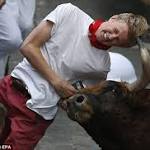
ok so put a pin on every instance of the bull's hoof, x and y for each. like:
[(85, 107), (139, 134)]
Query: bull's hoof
[(3, 113)]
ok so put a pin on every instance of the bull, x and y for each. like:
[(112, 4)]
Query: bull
[(116, 114)]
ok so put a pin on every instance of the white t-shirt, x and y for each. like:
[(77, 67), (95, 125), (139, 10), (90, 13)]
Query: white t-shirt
[(69, 53)]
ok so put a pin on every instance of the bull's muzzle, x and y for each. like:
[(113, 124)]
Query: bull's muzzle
[(76, 100)]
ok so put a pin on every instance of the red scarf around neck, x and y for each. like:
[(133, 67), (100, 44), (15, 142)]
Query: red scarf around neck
[(93, 40)]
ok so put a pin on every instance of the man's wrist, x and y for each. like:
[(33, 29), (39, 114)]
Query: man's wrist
[(55, 81)]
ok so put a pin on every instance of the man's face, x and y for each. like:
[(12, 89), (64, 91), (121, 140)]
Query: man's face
[(113, 33)]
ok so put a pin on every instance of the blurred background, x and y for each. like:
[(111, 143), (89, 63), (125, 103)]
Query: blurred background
[(65, 134), (100, 8)]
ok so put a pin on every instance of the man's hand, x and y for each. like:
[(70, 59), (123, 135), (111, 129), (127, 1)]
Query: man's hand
[(2, 3), (64, 88)]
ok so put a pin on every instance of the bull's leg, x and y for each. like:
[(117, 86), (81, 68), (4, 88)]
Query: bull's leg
[(3, 112)]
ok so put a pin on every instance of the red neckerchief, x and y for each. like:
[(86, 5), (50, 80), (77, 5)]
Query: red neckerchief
[(92, 29)]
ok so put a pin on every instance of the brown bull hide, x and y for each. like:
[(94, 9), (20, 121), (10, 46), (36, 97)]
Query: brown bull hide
[(114, 117)]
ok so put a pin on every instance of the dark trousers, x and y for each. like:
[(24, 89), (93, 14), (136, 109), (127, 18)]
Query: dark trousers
[(24, 128)]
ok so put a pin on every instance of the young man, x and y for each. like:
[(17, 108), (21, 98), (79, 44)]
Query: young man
[(66, 46)]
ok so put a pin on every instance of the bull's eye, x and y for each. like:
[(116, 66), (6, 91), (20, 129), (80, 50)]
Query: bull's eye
[(113, 91), (116, 92), (80, 99)]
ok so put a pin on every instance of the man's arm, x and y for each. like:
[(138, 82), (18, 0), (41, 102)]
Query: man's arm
[(31, 50)]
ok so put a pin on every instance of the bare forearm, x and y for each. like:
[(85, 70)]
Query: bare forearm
[(31, 50), (35, 57)]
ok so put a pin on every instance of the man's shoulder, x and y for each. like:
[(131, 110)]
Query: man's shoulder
[(66, 6), (70, 7)]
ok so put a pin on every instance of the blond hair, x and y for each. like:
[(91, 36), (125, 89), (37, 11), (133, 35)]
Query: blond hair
[(137, 24)]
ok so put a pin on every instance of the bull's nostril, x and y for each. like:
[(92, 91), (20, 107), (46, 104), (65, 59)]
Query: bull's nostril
[(80, 99)]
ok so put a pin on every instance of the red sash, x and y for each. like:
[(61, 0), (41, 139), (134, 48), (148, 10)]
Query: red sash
[(92, 29)]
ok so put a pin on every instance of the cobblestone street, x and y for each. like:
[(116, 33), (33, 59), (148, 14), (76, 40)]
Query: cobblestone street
[(66, 135)]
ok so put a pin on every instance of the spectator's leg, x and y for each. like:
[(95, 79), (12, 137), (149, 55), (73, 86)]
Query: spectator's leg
[(3, 63), (10, 35), (27, 10)]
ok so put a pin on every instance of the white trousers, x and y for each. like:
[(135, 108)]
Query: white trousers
[(16, 20), (121, 69)]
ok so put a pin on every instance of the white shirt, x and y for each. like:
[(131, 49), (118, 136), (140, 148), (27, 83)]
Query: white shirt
[(69, 53)]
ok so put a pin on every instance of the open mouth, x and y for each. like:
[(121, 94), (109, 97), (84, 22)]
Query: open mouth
[(106, 36)]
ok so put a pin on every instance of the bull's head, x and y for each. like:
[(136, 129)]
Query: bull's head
[(106, 111), (108, 94), (96, 101)]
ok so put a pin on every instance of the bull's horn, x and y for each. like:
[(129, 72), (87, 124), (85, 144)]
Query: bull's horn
[(144, 78)]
